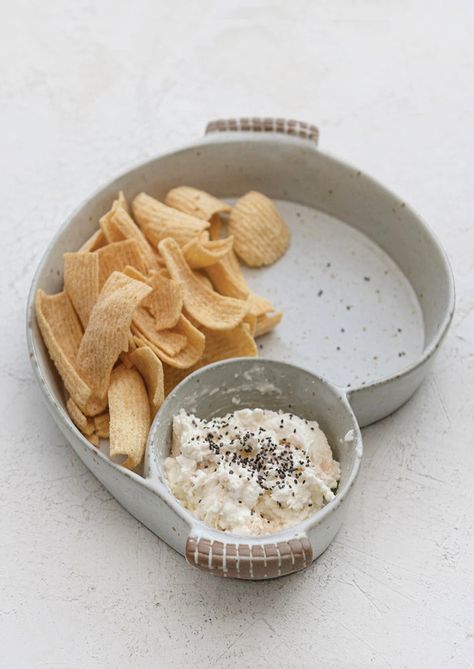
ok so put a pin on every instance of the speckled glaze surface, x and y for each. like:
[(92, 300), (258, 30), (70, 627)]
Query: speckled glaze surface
[(367, 291)]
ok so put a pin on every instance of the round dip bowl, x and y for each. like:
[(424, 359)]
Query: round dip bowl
[(241, 383)]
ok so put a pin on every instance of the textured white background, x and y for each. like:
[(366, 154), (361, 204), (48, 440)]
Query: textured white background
[(88, 88)]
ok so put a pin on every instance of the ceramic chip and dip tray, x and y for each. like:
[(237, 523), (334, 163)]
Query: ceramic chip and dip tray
[(367, 295)]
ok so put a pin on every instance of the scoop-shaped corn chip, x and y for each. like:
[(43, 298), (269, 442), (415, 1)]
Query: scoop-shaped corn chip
[(200, 253), (260, 234), (227, 277), (251, 321), (129, 411), (159, 221), (219, 346), (102, 425), (258, 306), (81, 282), (127, 227), (122, 200), (131, 347), (59, 312), (205, 280), (135, 274), (189, 355), (111, 233), (264, 313), (180, 233), (94, 439), (228, 344), (115, 257), (234, 263), (203, 304), (215, 231), (169, 341), (151, 368), (84, 424), (109, 230), (62, 334), (107, 333), (96, 241), (267, 322), (165, 302), (195, 202)]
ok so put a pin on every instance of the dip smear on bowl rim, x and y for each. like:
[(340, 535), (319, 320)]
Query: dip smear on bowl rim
[(252, 472)]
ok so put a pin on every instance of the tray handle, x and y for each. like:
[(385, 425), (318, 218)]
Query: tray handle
[(259, 124), (249, 561)]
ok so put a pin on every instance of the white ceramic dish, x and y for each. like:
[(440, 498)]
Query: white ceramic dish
[(366, 289)]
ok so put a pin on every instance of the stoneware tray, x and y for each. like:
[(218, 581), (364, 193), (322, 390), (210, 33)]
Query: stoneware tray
[(367, 295)]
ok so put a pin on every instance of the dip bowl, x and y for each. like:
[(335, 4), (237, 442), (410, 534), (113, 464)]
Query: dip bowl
[(249, 383)]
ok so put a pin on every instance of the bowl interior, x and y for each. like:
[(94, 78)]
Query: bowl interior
[(258, 383)]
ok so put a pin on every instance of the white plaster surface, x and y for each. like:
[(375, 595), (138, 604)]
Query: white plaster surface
[(87, 88)]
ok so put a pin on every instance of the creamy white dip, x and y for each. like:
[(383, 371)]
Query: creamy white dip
[(251, 472)]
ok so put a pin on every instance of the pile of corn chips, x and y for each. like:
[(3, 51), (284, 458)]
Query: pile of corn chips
[(156, 293)]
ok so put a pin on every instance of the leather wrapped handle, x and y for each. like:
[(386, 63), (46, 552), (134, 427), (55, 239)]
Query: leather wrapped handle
[(256, 124), (249, 561)]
